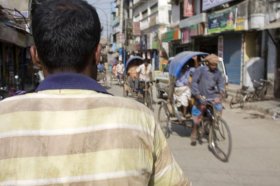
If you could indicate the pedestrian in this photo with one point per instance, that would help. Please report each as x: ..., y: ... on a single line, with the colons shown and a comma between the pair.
x: 71, y: 131
x: 120, y: 71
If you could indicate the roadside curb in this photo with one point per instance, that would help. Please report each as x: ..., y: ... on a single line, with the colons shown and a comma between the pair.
x: 268, y: 107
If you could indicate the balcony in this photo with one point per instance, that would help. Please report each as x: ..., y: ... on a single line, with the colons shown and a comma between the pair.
x: 151, y: 21
x: 144, y: 24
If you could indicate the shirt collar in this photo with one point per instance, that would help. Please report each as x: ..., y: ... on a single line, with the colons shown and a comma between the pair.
x: 70, y: 81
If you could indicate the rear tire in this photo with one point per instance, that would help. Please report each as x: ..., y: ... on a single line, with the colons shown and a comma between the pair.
x: 148, y: 101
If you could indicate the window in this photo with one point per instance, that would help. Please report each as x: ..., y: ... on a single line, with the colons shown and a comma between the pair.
x: 144, y: 14
x: 137, y: 17
x: 154, y: 8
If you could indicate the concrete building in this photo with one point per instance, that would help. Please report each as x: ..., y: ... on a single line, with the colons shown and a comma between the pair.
x: 245, y: 33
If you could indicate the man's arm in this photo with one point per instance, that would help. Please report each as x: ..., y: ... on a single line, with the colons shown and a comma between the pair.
x: 195, y: 81
x: 221, y: 84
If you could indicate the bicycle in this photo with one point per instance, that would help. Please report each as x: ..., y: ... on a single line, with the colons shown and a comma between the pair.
x: 213, y: 128
x: 246, y: 95
x: 216, y: 130
x: 147, y: 93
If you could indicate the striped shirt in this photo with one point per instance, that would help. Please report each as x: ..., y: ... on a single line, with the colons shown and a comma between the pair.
x: 82, y: 136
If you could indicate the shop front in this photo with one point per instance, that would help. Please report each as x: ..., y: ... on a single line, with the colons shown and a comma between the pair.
x: 172, y: 37
x: 16, y: 69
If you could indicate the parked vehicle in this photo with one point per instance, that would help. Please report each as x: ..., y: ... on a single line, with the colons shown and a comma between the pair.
x: 244, y: 94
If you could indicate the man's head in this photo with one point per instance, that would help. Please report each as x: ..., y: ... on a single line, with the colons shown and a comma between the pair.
x: 66, y: 35
x: 146, y: 62
x: 212, y: 61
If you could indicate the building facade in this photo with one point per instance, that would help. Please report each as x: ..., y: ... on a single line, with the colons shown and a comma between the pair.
x: 245, y: 33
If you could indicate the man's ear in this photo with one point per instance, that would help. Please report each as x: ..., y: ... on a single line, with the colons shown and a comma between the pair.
x: 35, y: 58
x: 97, y: 54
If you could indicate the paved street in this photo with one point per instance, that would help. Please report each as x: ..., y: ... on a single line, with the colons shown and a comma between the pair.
x: 255, y: 158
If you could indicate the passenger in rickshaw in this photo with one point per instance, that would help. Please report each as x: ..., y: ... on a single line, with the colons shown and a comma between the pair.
x: 207, y: 83
x: 182, y: 92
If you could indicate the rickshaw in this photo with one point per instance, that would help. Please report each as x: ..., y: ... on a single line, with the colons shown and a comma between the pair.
x: 144, y: 91
x: 212, y: 128
x: 169, y: 102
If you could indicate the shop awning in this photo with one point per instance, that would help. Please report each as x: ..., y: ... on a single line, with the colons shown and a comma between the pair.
x: 272, y: 25
x: 12, y: 35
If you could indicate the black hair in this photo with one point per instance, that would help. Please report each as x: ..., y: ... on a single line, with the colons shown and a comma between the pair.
x: 66, y: 33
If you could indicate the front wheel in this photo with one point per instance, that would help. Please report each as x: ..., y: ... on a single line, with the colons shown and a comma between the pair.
x: 164, y: 119
x: 220, y: 141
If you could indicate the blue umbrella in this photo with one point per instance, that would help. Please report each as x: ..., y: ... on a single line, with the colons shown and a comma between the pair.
x: 180, y: 60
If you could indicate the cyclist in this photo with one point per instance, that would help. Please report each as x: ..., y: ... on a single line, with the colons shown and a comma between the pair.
x: 207, y: 83
x: 145, y: 74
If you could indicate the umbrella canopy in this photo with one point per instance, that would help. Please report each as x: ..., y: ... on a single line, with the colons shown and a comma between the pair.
x: 135, y: 60
x: 180, y: 60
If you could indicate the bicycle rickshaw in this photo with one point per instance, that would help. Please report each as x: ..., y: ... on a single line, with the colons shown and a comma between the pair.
x: 143, y: 91
x: 212, y: 128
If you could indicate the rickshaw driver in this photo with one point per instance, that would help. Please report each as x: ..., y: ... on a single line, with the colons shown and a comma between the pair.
x: 145, y: 73
x: 207, y: 83
x: 133, y: 79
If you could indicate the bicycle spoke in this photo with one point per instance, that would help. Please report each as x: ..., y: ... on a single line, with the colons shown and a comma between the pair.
x: 220, y: 141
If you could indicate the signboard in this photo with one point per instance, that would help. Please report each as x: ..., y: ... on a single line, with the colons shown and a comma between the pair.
x: 242, y: 16
x: 186, y: 36
x: 171, y: 35
x: 207, y: 4
x: 188, y: 8
x: 221, y: 46
x: 221, y: 21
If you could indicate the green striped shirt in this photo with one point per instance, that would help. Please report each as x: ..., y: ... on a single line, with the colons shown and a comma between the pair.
x: 81, y: 137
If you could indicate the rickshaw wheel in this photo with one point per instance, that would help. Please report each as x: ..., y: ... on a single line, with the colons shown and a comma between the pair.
x: 125, y: 90
x: 164, y: 119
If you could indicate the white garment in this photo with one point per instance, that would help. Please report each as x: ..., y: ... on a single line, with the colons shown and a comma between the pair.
x: 120, y: 68
x: 182, y: 95
x: 144, y: 72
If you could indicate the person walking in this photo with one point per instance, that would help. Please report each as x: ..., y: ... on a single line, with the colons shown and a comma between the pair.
x: 120, y: 71
x: 71, y: 131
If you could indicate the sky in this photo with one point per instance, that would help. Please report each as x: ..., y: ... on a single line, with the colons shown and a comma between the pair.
x: 103, y: 8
